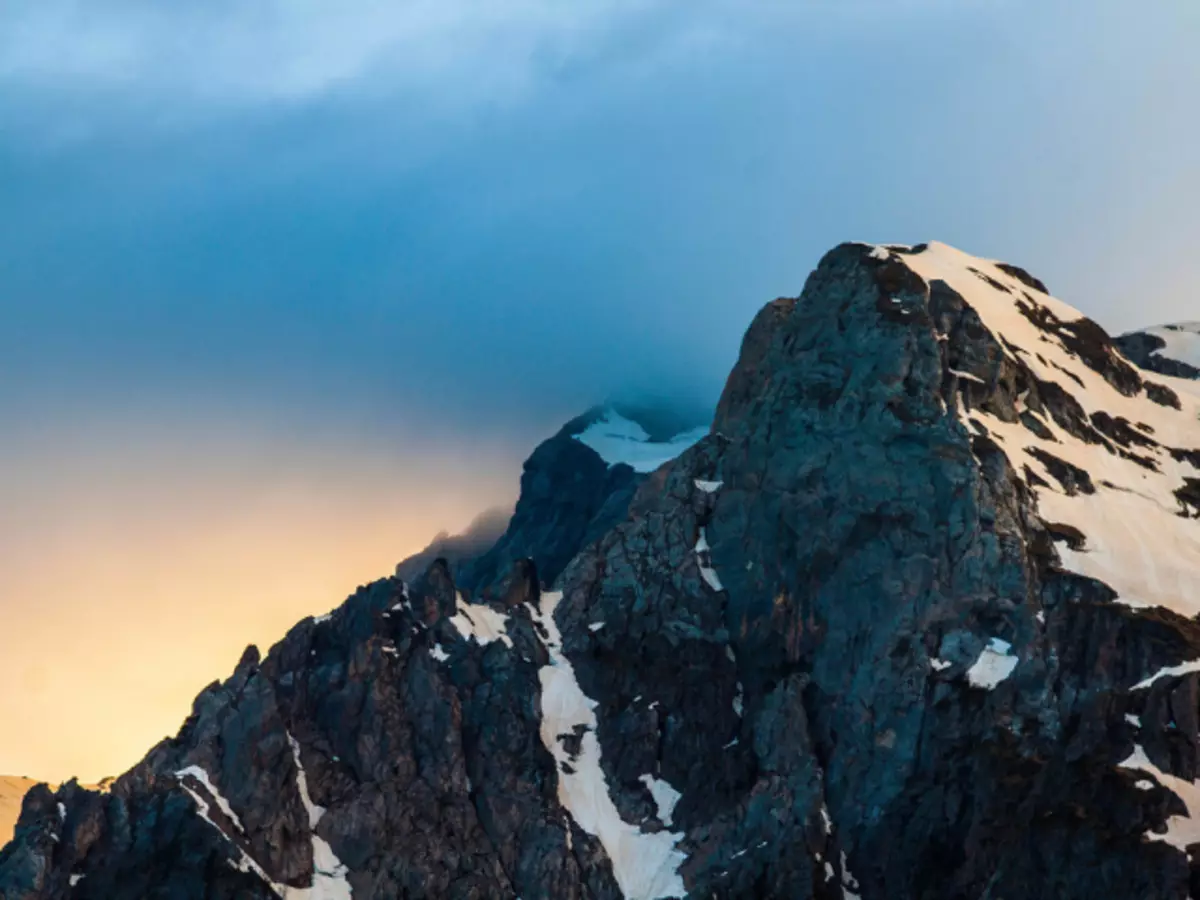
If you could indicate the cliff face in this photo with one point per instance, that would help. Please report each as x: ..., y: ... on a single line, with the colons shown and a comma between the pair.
x: 915, y: 619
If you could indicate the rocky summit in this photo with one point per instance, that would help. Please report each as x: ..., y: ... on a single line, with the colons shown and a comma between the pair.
x: 916, y: 617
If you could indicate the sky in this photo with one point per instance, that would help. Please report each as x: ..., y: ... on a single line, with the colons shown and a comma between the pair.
x: 288, y: 286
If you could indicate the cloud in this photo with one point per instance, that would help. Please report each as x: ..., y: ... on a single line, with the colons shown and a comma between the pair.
x: 230, y: 52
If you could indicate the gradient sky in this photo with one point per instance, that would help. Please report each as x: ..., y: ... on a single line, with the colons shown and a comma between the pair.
x: 287, y: 286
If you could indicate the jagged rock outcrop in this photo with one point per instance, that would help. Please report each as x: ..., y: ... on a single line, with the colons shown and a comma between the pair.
x: 578, y: 484
x: 915, y: 620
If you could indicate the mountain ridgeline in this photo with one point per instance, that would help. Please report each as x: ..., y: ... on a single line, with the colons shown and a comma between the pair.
x: 914, y: 618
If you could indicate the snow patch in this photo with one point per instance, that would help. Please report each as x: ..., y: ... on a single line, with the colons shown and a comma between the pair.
x: 707, y: 572
x: 993, y: 666
x: 1181, y: 830
x: 438, y: 653
x: 825, y: 820
x: 484, y: 624
x: 646, y: 866
x: 709, y: 487
x: 595, y: 626
x: 939, y: 665
x: 665, y: 796
x: 620, y: 440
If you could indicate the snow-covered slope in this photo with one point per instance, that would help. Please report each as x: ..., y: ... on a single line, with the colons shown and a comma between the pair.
x: 621, y: 440
x: 1115, y: 460
x: 12, y: 791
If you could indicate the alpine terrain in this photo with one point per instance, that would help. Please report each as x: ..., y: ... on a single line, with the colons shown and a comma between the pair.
x: 914, y: 618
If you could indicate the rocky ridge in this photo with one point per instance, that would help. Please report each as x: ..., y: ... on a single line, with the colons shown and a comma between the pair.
x: 913, y: 619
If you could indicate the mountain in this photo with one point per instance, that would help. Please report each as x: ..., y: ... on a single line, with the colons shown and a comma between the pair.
x: 915, y: 618
x: 12, y: 791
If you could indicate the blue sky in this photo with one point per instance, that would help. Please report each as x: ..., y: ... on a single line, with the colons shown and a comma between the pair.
x: 371, y: 252
x: 489, y: 211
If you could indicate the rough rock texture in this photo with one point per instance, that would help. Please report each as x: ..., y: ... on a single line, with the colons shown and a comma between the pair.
x: 569, y: 497
x: 831, y: 651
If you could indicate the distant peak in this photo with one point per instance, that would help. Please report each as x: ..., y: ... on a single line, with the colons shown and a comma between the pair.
x: 619, y: 438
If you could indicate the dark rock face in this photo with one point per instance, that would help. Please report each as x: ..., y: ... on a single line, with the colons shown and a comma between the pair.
x: 569, y: 498
x: 831, y: 651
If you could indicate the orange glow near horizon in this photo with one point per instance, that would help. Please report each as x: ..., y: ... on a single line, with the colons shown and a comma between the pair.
x: 134, y: 571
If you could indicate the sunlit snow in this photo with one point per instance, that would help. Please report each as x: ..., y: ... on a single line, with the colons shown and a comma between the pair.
x: 1181, y: 830
x: 1136, y: 540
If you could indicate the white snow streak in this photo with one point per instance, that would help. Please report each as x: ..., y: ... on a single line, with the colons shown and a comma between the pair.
x: 646, y: 866
x: 709, y: 487
x: 707, y: 572
x: 1169, y: 672
x: 967, y: 376
x: 202, y: 776
x: 329, y: 875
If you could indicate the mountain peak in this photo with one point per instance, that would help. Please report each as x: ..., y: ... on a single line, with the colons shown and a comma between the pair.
x: 916, y: 617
